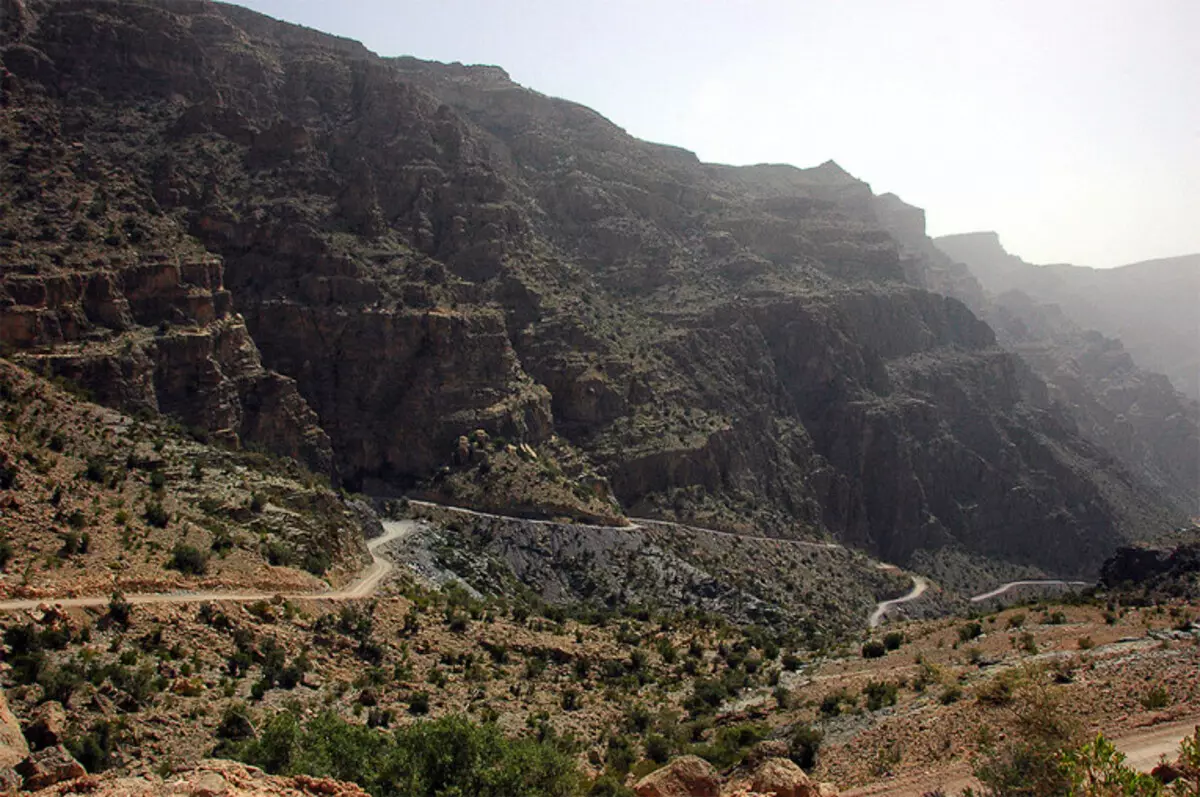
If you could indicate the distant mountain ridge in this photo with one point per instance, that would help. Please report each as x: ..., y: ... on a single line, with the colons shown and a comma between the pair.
x: 1151, y: 306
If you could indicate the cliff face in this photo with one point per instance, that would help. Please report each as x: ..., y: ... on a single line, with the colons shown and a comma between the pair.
x: 1132, y: 412
x: 431, y: 249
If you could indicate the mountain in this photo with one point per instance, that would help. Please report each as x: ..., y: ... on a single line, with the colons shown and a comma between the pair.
x: 370, y: 263
x: 1150, y: 306
x: 1130, y: 411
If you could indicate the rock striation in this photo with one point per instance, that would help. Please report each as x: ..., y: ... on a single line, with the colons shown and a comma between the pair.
x: 422, y: 251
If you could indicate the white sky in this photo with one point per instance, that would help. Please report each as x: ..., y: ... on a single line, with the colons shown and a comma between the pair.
x: 1071, y: 127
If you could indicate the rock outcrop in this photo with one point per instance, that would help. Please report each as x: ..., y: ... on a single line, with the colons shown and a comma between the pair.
x: 688, y: 776
x: 49, y: 766
x: 210, y: 778
x: 13, y: 747
x: 428, y: 250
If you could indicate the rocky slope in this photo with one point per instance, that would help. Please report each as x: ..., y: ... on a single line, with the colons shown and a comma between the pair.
x: 1149, y: 306
x: 429, y: 249
x: 1135, y: 414
x: 93, y: 501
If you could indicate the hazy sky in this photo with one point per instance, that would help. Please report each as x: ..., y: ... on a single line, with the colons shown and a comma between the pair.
x: 1072, y: 127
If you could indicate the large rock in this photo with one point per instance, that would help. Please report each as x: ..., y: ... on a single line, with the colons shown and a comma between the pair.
x: 783, y: 778
x: 47, y: 767
x: 689, y: 776
x: 47, y: 726
x: 206, y: 779
x: 13, y: 747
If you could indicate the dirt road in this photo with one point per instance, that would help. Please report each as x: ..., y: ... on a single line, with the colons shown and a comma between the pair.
x: 881, y: 609
x: 363, y: 586
x: 1003, y: 588
x: 1143, y: 749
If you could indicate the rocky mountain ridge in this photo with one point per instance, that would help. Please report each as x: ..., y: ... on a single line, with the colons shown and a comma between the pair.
x: 1130, y: 411
x: 428, y: 250
x: 1150, y: 306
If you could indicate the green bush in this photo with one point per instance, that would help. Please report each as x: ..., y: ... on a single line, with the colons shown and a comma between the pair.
x: 971, y: 630
x: 1156, y: 697
x: 188, y: 559
x: 873, y: 649
x: 1099, y: 768
x: 156, y: 514
x: 880, y: 694
x: 951, y: 694
x: 893, y: 640
x: 451, y: 755
x: 803, y: 745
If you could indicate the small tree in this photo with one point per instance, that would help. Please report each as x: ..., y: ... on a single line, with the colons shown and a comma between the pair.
x: 188, y: 559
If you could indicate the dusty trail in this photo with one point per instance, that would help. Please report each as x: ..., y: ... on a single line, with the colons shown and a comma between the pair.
x: 1003, y: 588
x: 363, y: 586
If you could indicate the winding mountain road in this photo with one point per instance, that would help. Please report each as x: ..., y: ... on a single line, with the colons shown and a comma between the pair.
x: 371, y: 576
x: 1003, y: 588
x: 881, y: 608
x: 362, y: 587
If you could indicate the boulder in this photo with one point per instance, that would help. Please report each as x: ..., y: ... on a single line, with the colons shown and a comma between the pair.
x: 10, y: 781
x: 13, y: 748
x: 783, y: 778
x: 689, y: 776
x: 770, y: 748
x: 47, y: 726
x: 47, y: 767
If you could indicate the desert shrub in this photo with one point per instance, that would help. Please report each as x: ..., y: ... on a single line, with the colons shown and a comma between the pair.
x: 6, y: 553
x: 1029, y: 761
x: 119, y: 610
x: 969, y: 631
x: 188, y: 559
x: 803, y: 746
x: 317, y: 563
x: 94, y: 749
x: 731, y: 745
x: 658, y: 748
x: 707, y: 695
x: 1016, y: 620
x: 831, y: 704
x: 791, y: 662
x: 572, y: 699
x: 451, y: 755
x: 880, y: 694
x: 893, y: 640
x: 609, y: 786
x: 258, y: 502
x: 951, y: 694
x: 278, y: 554
x: 96, y: 471
x: 418, y: 703
x: 873, y: 649
x: 1098, y: 768
x: 156, y: 514
x: 1156, y: 697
